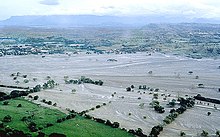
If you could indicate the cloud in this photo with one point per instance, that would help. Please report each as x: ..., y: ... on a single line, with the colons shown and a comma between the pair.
x: 179, y: 8
x: 108, y: 7
x: 49, y: 2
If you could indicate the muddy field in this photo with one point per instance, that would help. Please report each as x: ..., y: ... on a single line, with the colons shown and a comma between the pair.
x: 170, y: 74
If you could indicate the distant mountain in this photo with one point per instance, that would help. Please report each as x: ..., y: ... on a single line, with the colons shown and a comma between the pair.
x: 96, y: 21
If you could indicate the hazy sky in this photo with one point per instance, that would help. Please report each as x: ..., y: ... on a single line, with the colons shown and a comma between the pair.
x: 189, y: 8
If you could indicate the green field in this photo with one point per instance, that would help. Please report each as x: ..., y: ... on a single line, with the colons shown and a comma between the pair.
x: 76, y: 127
x: 81, y: 127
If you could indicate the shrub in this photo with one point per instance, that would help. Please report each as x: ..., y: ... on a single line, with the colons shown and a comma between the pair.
x: 172, y: 103
x: 172, y: 110
x: 115, y: 125
x: 140, y: 87
x: 88, y: 116
x: 37, y: 88
x: 156, y: 130
x: 217, y: 133
x: 190, y: 72
x: 26, y: 81
x: 92, y: 108
x: 2, y: 94
x: 40, y: 127
x: 159, y: 109
x: 40, y: 134
x: 128, y: 89
x: 201, y: 85
x: 59, y: 120
x: 19, y: 105
x: 7, y: 118
x: 99, y: 120
x: 209, y: 113
x: 182, y: 133
x: 68, y: 117
x: 139, y: 132
x: 36, y: 97
x: 24, y: 118
x: 57, y: 135
x: 155, y: 103
x: 204, y: 133
x: 1, y: 124
x: 34, y: 79
x: 5, y: 103
x: 108, y: 123
x: 32, y: 127
x: 49, y: 124
x: 49, y: 103
x: 155, y: 95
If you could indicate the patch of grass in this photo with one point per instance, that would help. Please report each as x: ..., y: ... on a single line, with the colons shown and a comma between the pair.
x: 81, y: 127
x: 77, y: 127
x: 40, y: 115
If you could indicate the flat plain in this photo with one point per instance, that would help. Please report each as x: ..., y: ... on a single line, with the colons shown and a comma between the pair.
x: 168, y: 73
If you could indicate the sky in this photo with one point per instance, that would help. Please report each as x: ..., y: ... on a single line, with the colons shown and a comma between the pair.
x: 188, y: 8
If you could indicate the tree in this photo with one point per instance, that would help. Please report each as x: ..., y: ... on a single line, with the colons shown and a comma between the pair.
x: 172, y: 103
x: 155, y: 95
x: 19, y: 105
x: 190, y: 72
x: 209, y: 113
x: 128, y: 89
x: 156, y: 130
x: 36, y: 97
x: 49, y: 103
x: 5, y: 103
x: 201, y: 85
x: 115, y: 125
x: 140, y: 87
x: 37, y: 88
x: 182, y: 133
x: 144, y: 87
x: 154, y: 103
x: 73, y: 91
x: 150, y: 72
x: 26, y: 81
x: 32, y: 127
x: 57, y: 135
x: 7, y: 118
x: 1, y: 124
x: 204, y: 133
x: 34, y: 79
x: 217, y: 133
x: 141, y: 105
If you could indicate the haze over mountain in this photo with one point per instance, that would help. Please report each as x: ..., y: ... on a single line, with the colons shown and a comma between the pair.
x: 97, y: 21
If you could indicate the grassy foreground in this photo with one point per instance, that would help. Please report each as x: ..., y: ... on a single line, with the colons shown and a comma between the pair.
x: 76, y: 127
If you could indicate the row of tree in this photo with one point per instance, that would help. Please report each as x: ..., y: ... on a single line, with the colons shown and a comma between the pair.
x: 17, y: 93
x: 199, y: 97
x: 184, y: 104
x: 84, y: 79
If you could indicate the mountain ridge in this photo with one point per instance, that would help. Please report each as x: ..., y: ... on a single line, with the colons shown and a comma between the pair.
x: 97, y: 21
